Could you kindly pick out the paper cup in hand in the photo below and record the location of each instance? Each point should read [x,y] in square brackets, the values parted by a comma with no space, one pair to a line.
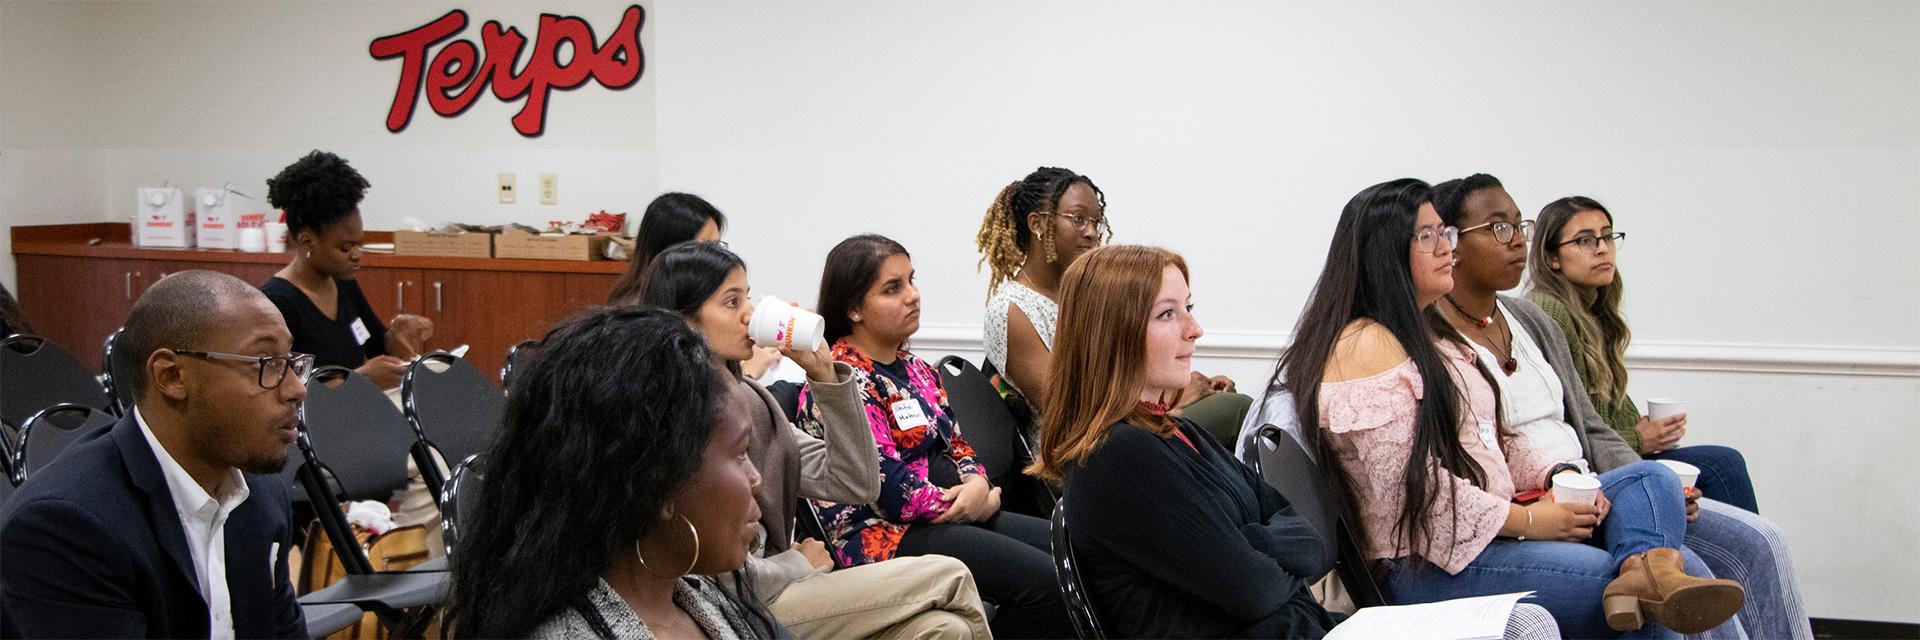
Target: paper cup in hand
[1689,474]
[783,326]
[1663,408]
[1575,488]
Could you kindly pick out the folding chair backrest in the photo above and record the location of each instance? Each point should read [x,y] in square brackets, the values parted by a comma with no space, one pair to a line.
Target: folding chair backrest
[48,433]
[354,428]
[35,374]
[1285,465]
[451,404]
[1066,568]
[518,356]
[118,394]
[457,499]
[982,417]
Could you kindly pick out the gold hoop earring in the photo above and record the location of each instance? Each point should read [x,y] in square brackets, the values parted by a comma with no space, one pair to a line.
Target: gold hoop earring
[695,559]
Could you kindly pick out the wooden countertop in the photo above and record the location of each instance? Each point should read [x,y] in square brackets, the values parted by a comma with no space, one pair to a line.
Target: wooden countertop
[113,240]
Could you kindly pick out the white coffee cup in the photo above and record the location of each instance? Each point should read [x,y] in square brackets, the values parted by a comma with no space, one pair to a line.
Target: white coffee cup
[1576,488]
[778,324]
[1663,408]
[253,239]
[277,237]
[1689,474]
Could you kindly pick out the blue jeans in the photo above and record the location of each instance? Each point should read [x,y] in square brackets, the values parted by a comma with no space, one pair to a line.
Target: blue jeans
[1568,577]
[1746,548]
[1723,473]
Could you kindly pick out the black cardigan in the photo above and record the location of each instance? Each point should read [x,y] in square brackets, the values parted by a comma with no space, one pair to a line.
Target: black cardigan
[1179,543]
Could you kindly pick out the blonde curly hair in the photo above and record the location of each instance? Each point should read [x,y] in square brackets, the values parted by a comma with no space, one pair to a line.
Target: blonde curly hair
[1004,238]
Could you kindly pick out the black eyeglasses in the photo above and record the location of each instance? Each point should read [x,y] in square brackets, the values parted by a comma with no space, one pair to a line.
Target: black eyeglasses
[1081,222]
[272,368]
[1503,231]
[1591,243]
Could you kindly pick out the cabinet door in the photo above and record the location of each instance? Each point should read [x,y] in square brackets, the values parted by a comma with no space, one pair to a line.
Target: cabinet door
[77,302]
[391,291]
[586,290]
[489,311]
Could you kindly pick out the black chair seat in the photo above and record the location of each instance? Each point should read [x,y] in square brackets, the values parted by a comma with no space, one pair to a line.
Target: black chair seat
[385,591]
[324,619]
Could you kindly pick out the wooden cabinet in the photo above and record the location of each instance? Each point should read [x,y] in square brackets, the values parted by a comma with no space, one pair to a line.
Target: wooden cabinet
[76,292]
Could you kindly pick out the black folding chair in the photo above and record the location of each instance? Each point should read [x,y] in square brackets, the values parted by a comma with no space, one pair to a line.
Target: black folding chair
[453,408]
[325,619]
[350,418]
[35,374]
[999,443]
[461,493]
[1086,622]
[119,400]
[517,357]
[51,431]
[1285,466]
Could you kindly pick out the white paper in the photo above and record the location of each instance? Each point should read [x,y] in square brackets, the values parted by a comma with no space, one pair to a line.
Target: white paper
[1481,618]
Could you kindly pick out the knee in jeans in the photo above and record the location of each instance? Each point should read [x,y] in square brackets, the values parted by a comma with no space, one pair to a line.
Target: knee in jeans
[1654,474]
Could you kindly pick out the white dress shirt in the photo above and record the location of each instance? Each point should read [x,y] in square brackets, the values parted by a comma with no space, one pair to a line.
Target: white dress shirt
[203,517]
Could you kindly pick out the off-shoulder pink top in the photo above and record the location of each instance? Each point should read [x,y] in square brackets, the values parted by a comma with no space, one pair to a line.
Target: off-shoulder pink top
[1371,422]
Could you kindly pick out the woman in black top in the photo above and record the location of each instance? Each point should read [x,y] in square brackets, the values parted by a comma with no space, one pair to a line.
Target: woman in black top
[317,295]
[1175,538]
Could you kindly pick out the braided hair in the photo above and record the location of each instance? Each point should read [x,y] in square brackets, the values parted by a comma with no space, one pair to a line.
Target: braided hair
[1004,239]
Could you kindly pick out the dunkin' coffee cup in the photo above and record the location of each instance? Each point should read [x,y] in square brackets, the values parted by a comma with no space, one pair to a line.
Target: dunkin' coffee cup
[780,325]
[1575,488]
[1689,474]
[253,239]
[1663,408]
[277,237]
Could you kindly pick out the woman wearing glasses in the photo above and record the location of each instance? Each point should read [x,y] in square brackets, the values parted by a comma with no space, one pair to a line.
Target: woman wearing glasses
[1035,228]
[317,294]
[1576,281]
[1423,462]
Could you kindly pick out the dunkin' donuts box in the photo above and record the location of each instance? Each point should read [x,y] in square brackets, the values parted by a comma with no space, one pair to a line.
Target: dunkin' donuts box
[163,217]
[222,213]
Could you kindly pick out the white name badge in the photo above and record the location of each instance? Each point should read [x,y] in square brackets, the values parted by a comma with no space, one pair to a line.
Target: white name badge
[1487,435]
[360,333]
[907,414]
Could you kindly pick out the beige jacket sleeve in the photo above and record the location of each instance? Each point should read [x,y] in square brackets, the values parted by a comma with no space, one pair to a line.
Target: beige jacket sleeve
[772,575]
[845,466]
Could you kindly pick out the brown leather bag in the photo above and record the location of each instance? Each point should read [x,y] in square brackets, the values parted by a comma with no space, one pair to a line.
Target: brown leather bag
[401,548]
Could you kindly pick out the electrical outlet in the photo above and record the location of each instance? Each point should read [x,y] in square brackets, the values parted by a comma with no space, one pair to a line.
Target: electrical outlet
[549,188]
[507,192]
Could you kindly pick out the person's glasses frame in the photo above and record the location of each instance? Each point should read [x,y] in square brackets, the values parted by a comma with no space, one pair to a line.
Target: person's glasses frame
[1080,222]
[1425,239]
[298,363]
[1503,231]
[1590,244]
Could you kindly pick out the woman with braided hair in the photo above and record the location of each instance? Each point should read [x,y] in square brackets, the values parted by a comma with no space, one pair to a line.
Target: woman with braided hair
[1035,228]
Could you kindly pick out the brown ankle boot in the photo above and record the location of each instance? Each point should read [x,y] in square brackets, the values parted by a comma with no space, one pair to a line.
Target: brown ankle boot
[1653,587]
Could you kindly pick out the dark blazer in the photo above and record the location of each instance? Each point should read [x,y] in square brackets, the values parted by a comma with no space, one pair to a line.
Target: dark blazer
[92,546]
[1178,542]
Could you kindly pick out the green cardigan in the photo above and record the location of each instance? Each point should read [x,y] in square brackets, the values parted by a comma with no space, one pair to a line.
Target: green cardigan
[1622,413]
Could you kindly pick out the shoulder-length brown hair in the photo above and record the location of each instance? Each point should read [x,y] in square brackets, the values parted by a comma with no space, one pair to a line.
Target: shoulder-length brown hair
[1100,352]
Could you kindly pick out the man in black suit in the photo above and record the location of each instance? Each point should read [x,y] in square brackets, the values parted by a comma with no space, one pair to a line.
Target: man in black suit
[169,524]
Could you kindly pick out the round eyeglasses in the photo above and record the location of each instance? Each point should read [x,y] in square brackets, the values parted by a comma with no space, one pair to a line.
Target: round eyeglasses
[1503,231]
[1428,238]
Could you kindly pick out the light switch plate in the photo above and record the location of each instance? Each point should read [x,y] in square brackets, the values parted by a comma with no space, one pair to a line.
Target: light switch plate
[507,191]
[549,188]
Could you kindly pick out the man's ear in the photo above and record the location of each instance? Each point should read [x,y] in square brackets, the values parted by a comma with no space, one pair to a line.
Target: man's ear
[165,375]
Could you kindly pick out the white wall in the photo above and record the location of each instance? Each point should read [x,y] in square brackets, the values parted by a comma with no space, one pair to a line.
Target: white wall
[1764,156]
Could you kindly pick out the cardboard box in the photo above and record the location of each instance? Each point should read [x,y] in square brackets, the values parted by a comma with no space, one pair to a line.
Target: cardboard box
[527,246]
[163,217]
[452,245]
[223,213]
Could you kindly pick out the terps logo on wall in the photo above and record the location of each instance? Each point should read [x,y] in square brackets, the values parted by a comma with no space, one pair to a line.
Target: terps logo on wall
[459,73]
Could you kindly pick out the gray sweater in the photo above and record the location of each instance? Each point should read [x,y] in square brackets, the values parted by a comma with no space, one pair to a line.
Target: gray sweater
[1599,443]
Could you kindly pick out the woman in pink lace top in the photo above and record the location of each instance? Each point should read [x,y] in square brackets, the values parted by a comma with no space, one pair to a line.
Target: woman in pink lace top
[1411,426]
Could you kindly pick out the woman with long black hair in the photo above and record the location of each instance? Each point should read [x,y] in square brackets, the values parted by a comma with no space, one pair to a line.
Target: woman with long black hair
[619,482]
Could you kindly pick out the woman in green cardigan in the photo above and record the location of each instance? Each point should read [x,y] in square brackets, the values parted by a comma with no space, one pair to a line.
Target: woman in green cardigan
[1576,280]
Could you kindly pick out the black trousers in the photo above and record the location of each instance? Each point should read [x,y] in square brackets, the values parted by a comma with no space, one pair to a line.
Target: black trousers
[1011,558]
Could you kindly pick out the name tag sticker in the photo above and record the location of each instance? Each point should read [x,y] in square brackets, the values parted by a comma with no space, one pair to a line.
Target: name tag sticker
[360,333]
[1486,435]
[907,415]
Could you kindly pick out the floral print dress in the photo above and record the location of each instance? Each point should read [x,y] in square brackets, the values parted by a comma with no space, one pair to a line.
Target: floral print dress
[907,390]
